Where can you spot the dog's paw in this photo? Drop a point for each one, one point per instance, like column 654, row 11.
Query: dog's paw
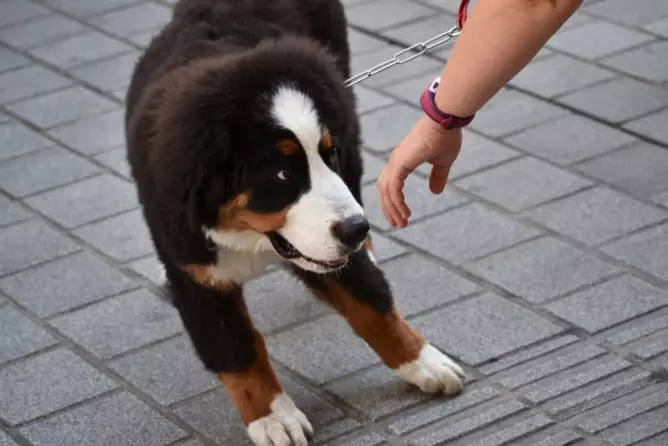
column 432, row 372
column 285, row 426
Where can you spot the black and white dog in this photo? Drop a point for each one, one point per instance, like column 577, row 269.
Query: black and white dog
column 245, row 148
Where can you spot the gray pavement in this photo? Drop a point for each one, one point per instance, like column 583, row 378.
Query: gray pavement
column 543, row 268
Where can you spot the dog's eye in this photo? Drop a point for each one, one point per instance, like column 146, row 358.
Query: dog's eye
column 284, row 174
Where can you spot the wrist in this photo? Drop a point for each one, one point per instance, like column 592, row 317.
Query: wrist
column 433, row 111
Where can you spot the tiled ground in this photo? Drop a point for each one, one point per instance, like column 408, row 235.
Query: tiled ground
column 543, row 268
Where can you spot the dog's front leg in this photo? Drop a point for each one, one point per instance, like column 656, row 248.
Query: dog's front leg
column 361, row 294
column 225, row 339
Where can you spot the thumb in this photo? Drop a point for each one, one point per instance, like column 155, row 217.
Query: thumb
column 438, row 179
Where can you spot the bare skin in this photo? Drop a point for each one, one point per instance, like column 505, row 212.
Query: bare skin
column 498, row 40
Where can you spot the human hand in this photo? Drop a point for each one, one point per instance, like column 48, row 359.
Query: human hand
column 426, row 142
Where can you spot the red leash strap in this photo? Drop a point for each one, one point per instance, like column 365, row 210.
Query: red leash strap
column 462, row 13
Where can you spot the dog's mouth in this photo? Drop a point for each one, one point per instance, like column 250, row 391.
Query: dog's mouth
column 286, row 250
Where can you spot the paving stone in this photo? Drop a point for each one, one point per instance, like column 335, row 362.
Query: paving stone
column 370, row 100
column 109, row 75
column 5, row 440
column 119, row 324
column 47, row 111
column 644, row 250
column 639, row 13
column 661, row 198
column 116, row 160
column 11, row 59
column 552, row 436
column 541, row 269
column 43, row 170
column 373, row 165
column 382, row 14
column 333, row 430
column 419, row 199
column 361, row 43
column 511, row 111
column 279, row 299
column 214, row 413
column 559, row 75
column 41, row 31
column 651, row 346
column 597, row 39
column 168, row 372
column 123, row 237
column 522, row 183
column 143, row 39
column 47, row 382
column 86, row 201
column 455, row 429
column 544, row 366
column 418, row 284
column 571, row 139
column 638, row 428
column 466, row 233
column 29, row 81
column 64, row 284
column 378, row 392
column 18, row 11
column 479, row 153
column 80, row 49
column 322, row 350
column 384, row 248
column 651, row 126
column 508, row 431
column 17, row 139
column 420, row 67
column 525, row 355
column 597, row 215
column 618, row 100
column 647, row 62
column 640, row 169
column 567, row 380
column 27, row 244
column 117, row 419
column 93, row 134
column 364, row 439
column 659, row 27
column 11, row 212
column 424, row 29
column 85, row 8
column 639, row 328
column 150, row 268
column 440, row 408
column 409, row 90
column 612, row 302
column 659, row 440
column 383, row 129
column 484, row 328
column 133, row 20
column 20, row 336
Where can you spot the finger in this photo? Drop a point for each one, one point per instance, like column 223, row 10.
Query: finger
column 399, row 202
column 382, row 197
column 438, row 179
column 390, row 207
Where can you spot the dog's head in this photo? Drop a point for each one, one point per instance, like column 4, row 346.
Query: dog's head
column 255, row 149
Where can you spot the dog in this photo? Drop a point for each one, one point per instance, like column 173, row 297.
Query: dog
column 244, row 145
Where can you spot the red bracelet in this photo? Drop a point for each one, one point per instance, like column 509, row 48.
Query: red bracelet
column 445, row 120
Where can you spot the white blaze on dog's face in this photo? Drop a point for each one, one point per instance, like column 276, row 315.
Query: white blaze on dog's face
column 326, row 223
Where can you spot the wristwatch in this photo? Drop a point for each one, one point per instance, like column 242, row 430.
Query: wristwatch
column 445, row 120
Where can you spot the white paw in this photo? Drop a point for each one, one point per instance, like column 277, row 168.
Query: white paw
column 433, row 371
column 285, row 426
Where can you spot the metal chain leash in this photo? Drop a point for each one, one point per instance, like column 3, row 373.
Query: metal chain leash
column 405, row 55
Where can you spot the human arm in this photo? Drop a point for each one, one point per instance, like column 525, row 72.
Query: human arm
column 498, row 40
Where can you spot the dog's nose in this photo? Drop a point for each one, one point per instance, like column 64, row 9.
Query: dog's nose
column 352, row 231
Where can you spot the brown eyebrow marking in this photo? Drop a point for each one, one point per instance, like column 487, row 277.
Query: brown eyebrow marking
column 326, row 140
column 287, row 146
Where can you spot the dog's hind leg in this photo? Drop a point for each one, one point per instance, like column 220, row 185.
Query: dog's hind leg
column 228, row 344
column 361, row 294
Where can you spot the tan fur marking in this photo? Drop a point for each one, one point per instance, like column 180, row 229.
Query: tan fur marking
column 368, row 246
column 202, row 275
column 287, row 147
column 326, row 140
column 236, row 215
column 389, row 335
column 253, row 390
